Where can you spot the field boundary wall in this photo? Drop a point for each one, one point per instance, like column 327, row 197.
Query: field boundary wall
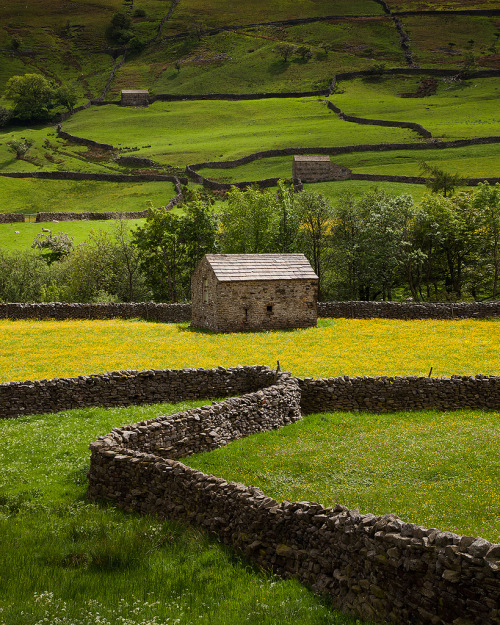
column 376, row 567
column 98, row 176
column 178, row 313
column 191, row 170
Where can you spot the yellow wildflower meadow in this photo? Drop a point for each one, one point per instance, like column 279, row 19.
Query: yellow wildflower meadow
column 48, row 349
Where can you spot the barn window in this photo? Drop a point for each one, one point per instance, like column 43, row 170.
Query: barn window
column 205, row 290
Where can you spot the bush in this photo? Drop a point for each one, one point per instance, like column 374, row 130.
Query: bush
column 139, row 13
column 5, row 116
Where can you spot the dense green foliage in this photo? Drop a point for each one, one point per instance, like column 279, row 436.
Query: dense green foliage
column 34, row 96
column 371, row 247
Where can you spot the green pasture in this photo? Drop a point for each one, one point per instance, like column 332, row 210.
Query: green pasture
column 49, row 153
column 68, row 561
column 436, row 469
column 472, row 161
column 441, row 5
column 14, row 237
column 29, row 195
column 459, row 110
column 188, row 132
column 35, row 349
column 335, row 191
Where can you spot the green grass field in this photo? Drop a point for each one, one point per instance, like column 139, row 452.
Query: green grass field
column 459, row 110
column 470, row 162
column 67, row 561
column 40, row 349
column 20, row 236
column 432, row 35
column 436, row 469
column 190, row 132
column 27, row 195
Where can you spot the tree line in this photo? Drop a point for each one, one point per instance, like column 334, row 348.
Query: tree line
column 373, row 247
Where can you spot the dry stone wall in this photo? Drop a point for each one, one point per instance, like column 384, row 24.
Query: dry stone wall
column 409, row 310
column 167, row 313
column 177, row 313
column 10, row 218
column 377, row 567
column 126, row 388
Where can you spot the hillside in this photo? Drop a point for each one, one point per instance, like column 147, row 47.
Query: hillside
column 375, row 57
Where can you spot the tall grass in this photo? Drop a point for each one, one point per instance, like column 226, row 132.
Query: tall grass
column 46, row 349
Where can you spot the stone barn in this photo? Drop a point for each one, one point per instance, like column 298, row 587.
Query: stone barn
column 135, row 97
column 238, row 292
column 317, row 168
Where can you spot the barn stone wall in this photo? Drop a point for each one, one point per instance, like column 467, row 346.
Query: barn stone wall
column 308, row 169
column 139, row 97
column 271, row 305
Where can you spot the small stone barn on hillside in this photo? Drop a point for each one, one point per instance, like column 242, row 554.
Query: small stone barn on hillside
column 317, row 168
column 135, row 97
column 238, row 292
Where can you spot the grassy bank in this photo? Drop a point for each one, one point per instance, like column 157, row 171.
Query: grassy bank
column 40, row 349
column 67, row 561
column 436, row 469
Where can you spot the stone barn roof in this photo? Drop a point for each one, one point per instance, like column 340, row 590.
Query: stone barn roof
column 244, row 267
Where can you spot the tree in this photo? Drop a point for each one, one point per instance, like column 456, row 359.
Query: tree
column 247, row 222
column 55, row 246
column 5, row 116
column 119, row 29
column 170, row 246
column 285, row 50
column 19, row 147
column 315, row 216
column 441, row 180
column 65, row 96
column 92, row 272
column 449, row 233
column 304, row 52
column 32, row 94
column 486, row 200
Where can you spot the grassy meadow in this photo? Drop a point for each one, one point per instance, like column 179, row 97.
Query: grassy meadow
column 459, row 109
column 14, row 237
column 436, row 469
column 473, row 161
column 40, row 349
column 183, row 133
column 68, row 561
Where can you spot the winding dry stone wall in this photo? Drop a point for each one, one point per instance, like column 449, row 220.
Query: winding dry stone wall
column 126, row 388
column 377, row 567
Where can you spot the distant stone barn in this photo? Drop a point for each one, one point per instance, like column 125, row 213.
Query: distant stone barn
column 317, row 168
column 134, row 97
column 238, row 292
